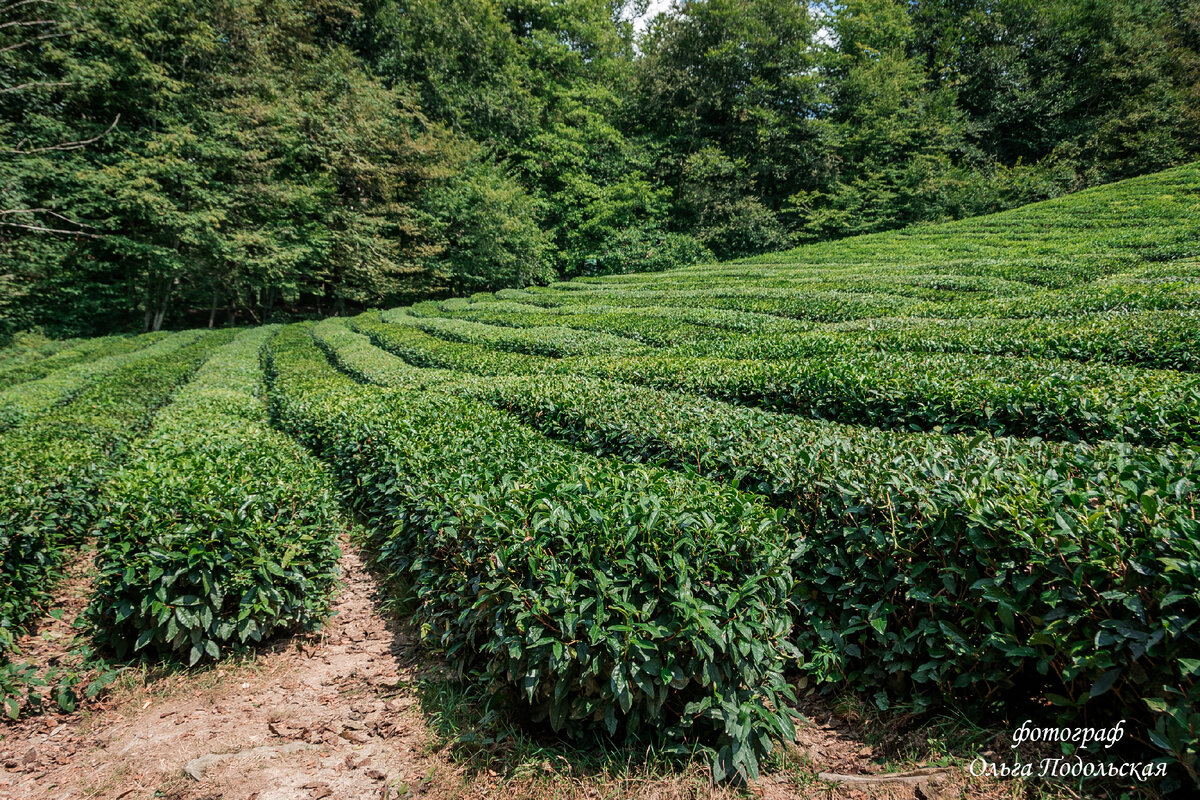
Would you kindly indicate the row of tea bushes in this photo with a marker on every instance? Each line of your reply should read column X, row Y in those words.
column 51, row 468
column 27, row 347
column 76, row 352
column 936, row 566
column 1155, row 339
column 26, row 400
column 418, row 348
column 354, row 354
column 549, row 341
column 655, row 330
column 1061, row 400
column 222, row 531
column 608, row 597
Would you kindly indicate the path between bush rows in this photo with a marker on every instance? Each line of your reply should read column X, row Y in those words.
column 334, row 715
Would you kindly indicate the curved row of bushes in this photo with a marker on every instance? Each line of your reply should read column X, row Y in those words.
column 75, row 352
column 28, row 347
column 354, row 354
column 933, row 566
column 1152, row 339
column 1149, row 339
column 26, row 400
column 51, row 469
column 221, row 531
column 604, row 596
column 551, row 341
column 656, row 330
column 1059, row 400
column 423, row 350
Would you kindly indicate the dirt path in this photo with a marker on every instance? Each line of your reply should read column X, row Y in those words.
column 331, row 714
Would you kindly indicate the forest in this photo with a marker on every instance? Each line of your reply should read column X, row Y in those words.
column 173, row 164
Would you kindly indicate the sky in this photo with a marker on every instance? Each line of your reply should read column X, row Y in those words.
column 655, row 7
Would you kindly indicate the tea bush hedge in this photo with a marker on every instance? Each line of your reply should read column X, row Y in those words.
column 606, row 596
column 418, row 348
column 26, row 400
column 221, row 532
column 1060, row 400
column 931, row 567
column 52, row 467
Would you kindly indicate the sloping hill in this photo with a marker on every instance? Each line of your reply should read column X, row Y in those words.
column 955, row 463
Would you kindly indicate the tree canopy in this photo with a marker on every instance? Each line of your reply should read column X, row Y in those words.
column 224, row 161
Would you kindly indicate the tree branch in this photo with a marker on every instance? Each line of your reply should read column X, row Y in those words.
column 45, row 211
column 76, row 145
column 14, row 6
column 41, row 229
column 28, row 42
column 34, row 85
column 25, row 23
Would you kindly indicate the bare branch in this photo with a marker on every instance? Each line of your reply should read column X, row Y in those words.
column 45, row 211
column 41, row 229
column 25, row 23
column 76, row 145
column 14, row 6
column 28, row 42
column 34, row 85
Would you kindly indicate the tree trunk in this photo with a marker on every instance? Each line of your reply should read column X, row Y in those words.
column 212, row 312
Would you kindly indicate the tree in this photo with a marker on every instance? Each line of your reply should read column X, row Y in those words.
column 730, row 90
column 894, row 138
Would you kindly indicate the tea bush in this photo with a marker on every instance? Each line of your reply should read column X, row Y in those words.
column 51, row 468
column 26, row 400
column 73, row 353
column 221, row 532
column 932, row 567
column 1061, row 400
column 607, row 596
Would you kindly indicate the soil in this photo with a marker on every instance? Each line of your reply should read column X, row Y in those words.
column 336, row 714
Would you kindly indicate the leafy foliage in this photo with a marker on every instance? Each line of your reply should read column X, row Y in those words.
column 605, row 597
column 221, row 531
column 167, row 165
column 53, row 466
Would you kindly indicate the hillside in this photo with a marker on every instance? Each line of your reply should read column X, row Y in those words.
column 954, row 465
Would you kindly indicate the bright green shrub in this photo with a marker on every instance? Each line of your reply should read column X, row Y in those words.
column 653, row 330
column 51, row 468
column 78, row 351
column 947, row 392
column 26, row 400
column 1159, row 340
column 608, row 597
column 549, row 341
column 422, row 350
column 354, row 354
column 26, row 347
column 221, row 531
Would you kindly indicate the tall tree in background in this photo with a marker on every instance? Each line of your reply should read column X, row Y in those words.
column 729, row 95
column 1101, row 85
column 167, row 164
column 894, row 139
column 542, row 87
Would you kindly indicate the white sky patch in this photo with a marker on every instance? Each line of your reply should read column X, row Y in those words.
column 656, row 7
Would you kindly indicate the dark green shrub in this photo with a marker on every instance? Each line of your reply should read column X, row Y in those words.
column 644, row 250
column 51, row 468
column 611, row 597
column 934, row 567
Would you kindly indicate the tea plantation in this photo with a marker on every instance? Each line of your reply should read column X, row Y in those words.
column 956, row 463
